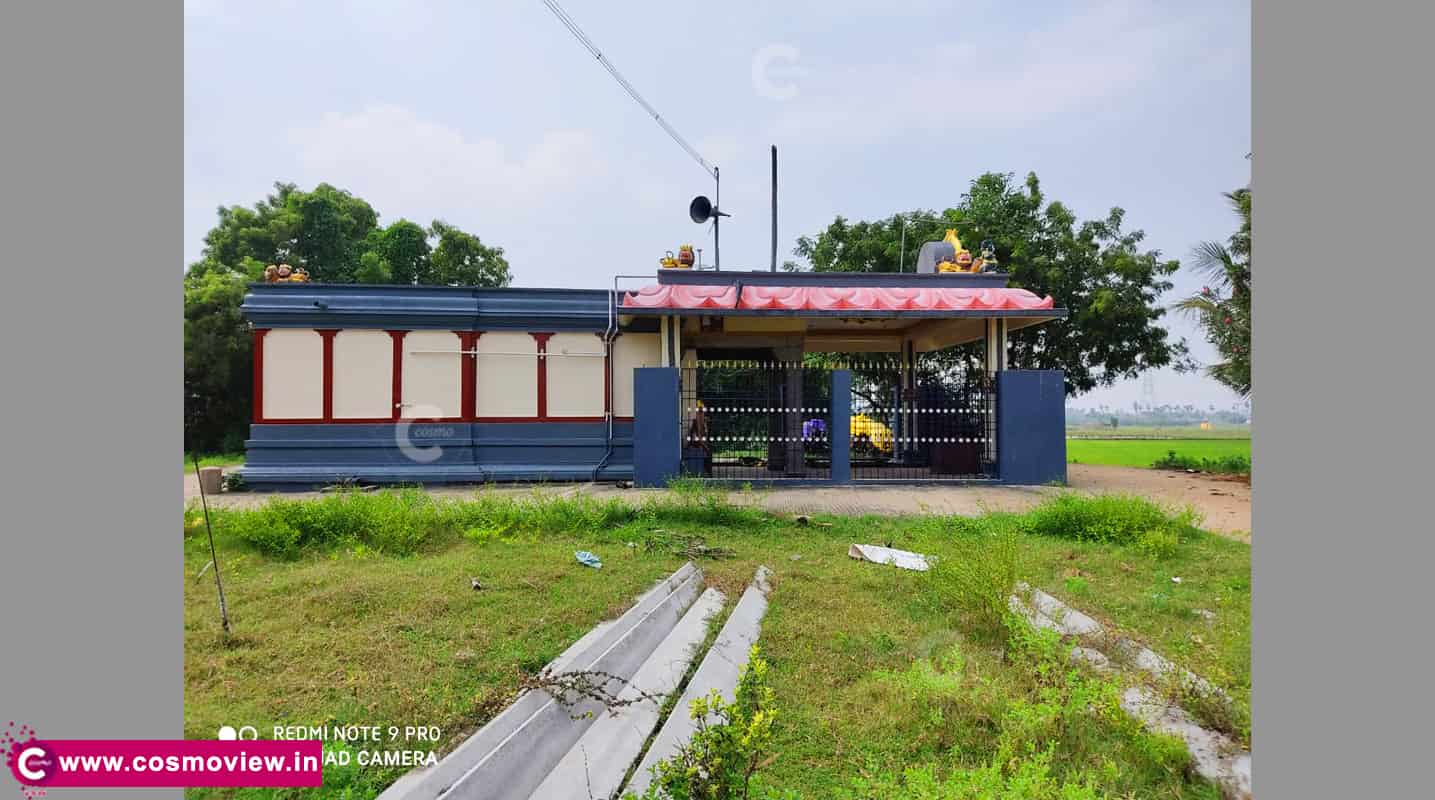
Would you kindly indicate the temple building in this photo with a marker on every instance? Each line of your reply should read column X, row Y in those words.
column 781, row 377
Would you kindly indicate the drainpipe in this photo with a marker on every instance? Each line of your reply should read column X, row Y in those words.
column 608, row 382
column 472, row 427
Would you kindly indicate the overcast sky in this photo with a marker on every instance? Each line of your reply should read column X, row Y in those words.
column 491, row 116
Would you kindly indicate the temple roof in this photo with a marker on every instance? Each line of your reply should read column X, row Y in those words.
column 731, row 297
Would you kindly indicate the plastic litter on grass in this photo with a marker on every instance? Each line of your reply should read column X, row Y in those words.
column 588, row 559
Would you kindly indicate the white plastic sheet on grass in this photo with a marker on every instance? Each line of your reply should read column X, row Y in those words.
column 887, row 555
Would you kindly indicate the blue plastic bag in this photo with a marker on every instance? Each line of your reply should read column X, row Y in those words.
column 587, row 559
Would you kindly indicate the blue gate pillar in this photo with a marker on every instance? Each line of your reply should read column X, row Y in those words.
column 841, row 425
column 657, row 450
column 1031, row 426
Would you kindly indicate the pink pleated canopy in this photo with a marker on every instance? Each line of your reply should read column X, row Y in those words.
column 827, row 298
column 679, row 296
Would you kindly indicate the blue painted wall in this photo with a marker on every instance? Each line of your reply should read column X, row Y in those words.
column 1031, row 442
column 303, row 456
column 1031, row 426
column 656, row 434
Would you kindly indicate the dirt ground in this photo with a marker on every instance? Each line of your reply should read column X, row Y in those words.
column 1224, row 503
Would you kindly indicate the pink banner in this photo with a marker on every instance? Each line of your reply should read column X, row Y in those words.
column 166, row 763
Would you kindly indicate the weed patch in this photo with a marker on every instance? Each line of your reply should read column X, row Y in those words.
column 405, row 521
column 978, row 577
column 1113, row 519
column 397, row 522
column 732, row 742
column 1019, row 722
column 1230, row 464
column 1021, row 779
column 1210, row 708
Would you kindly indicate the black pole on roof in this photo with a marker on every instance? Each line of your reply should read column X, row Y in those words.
column 717, row 203
column 774, row 208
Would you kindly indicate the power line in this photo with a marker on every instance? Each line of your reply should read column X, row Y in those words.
column 623, row 82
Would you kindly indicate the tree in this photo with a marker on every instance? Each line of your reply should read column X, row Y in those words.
column 1094, row 269
column 333, row 226
column 218, row 360
column 323, row 231
column 404, row 245
column 461, row 259
column 334, row 236
column 373, row 268
column 1223, row 306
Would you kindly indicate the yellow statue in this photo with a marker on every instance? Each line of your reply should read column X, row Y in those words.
column 283, row 273
column 963, row 256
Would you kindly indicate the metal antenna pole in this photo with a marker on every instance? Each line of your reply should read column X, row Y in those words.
column 717, row 220
column 774, row 209
column 592, row 48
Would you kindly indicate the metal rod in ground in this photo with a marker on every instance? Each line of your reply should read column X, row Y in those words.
column 213, row 555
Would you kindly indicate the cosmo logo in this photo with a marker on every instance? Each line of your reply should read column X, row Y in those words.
column 29, row 759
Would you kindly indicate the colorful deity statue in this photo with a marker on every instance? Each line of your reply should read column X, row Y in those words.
column 988, row 261
column 283, row 273
column 961, row 257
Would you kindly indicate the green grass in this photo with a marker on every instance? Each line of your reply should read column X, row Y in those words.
column 1133, row 592
column 1145, row 452
column 374, row 640
column 863, row 657
column 213, row 460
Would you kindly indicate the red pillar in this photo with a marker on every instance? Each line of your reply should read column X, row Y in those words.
column 468, row 341
column 542, row 339
column 258, row 393
column 397, row 391
column 327, row 334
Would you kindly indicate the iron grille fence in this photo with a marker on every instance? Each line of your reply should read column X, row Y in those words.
column 934, row 421
column 757, row 420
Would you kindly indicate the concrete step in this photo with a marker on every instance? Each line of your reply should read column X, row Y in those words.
column 597, row 764
column 512, row 754
column 1214, row 756
column 719, row 670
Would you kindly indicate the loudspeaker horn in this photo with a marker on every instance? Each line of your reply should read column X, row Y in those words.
column 701, row 210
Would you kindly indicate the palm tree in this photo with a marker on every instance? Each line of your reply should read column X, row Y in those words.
column 1223, row 306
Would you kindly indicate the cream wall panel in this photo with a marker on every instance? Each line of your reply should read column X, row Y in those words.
column 363, row 374
column 507, row 375
column 630, row 351
column 575, row 375
column 293, row 374
column 432, row 381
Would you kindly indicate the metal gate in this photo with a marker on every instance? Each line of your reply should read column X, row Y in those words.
column 757, row 420
column 933, row 420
